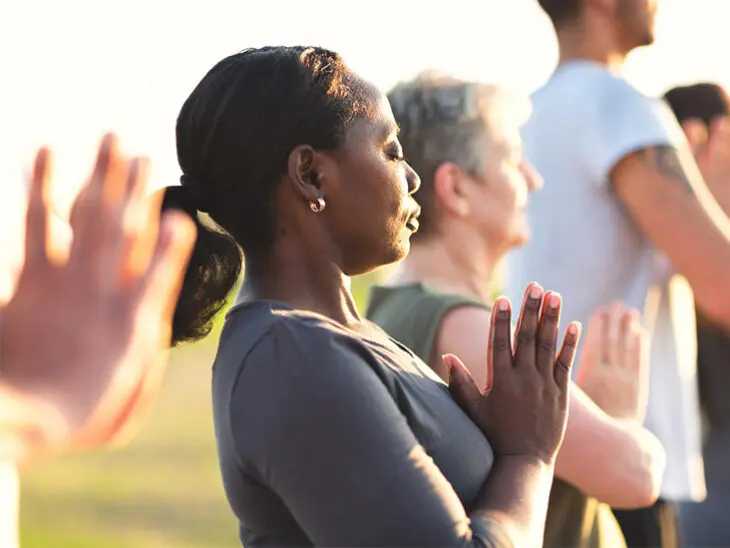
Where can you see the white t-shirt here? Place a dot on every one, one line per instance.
(585, 246)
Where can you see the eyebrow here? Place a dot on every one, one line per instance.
(390, 128)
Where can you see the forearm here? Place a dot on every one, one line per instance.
(721, 193)
(638, 482)
(630, 459)
(516, 495)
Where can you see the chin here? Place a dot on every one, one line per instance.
(392, 254)
(647, 40)
(400, 251)
(521, 239)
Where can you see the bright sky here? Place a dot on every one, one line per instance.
(72, 69)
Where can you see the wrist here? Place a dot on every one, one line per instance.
(34, 424)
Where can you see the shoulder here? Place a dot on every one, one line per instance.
(464, 331)
(594, 90)
(466, 318)
(279, 337)
(301, 369)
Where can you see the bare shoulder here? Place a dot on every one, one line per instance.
(665, 165)
(464, 331)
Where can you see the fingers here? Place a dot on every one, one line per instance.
(720, 134)
(697, 135)
(462, 386)
(519, 318)
(162, 283)
(638, 349)
(612, 343)
(37, 218)
(93, 212)
(500, 344)
(112, 244)
(548, 332)
(629, 324)
(147, 216)
(525, 353)
(564, 362)
(124, 259)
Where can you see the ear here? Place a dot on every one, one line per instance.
(697, 134)
(448, 181)
(303, 174)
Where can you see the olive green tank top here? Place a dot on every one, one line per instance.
(412, 314)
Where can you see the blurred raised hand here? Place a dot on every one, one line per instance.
(85, 335)
(711, 148)
(614, 369)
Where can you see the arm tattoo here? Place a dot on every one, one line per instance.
(665, 160)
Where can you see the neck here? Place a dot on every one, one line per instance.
(579, 42)
(294, 277)
(466, 268)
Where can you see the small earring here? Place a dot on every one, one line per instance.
(317, 206)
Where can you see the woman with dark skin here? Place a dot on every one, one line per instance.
(329, 432)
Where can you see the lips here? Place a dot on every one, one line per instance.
(412, 222)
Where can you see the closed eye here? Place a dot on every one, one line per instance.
(395, 152)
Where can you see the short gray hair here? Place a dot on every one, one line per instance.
(444, 119)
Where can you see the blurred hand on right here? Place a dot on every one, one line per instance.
(711, 148)
(614, 369)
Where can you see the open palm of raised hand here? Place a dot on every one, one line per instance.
(614, 368)
(89, 333)
(713, 154)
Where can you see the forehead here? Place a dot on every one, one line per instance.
(505, 129)
(379, 123)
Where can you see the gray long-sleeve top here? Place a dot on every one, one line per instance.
(329, 437)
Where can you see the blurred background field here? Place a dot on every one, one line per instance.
(163, 491)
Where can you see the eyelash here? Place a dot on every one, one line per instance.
(396, 157)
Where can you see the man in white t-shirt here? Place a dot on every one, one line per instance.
(626, 215)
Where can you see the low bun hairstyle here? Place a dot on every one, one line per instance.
(234, 136)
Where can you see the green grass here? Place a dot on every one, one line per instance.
(163, 491)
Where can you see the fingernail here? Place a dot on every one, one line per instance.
(535, 292)
(554, 300)
(503, 305)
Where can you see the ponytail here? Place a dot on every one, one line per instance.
(214, 268)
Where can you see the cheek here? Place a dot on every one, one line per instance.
(514, 189)
(375, 196)
(394, 188)
(521, 193)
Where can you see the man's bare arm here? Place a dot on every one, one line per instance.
(666, 160)
(665, 194)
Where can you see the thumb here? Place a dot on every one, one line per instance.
(462, 386)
